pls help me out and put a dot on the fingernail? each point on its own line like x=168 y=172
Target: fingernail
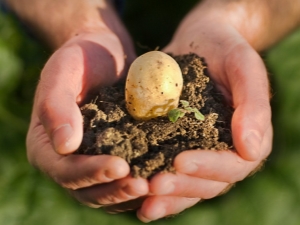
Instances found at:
x=158 y=214
x=189 y=168
x=60 y=138
x=143 y=219
x=253 y=142
x=161 y=212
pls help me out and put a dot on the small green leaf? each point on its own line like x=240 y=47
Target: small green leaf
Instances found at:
x=175 y=114
x=184 y=103
x=198 y=115
x=189 y=109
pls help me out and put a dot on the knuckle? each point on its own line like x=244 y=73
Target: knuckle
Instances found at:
x=263 y=108
x=80 y=198
x=99 y=176
x=44 y=107
x=123 y=194
x=64 y=184
x=108 y=199
x=72 y=185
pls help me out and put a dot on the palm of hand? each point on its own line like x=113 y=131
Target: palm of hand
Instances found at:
x=240 y=74
x=73 y=71
x=83 y=64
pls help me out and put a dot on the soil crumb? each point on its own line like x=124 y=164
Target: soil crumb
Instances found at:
x=150 y=146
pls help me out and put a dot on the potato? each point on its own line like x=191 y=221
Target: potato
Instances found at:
x=153 y=86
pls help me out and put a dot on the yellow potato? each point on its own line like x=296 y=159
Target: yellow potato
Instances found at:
x=153 y=85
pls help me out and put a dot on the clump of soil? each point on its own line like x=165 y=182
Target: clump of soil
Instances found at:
x=151 y=146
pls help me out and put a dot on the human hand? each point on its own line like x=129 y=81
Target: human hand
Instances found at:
x=74 y=71
x=240 y=74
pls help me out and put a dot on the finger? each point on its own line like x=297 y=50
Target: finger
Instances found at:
x=249 y=85
x=125 y=206
x=225 y=166
x=56 y=99
x=185 y=186
x=79 y=171
x=72 y=171
x=157 y=207
x=112 y=193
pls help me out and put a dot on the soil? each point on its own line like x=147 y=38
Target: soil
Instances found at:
x=151 y=146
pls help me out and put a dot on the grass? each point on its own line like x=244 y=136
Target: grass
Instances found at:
x=271 y=197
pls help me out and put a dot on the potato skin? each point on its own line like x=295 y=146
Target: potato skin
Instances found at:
x=153 y=85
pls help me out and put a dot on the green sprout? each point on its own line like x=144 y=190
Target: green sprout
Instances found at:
x=175 y=114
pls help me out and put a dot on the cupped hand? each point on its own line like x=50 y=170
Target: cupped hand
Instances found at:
x=73 y=72
x=240 y=74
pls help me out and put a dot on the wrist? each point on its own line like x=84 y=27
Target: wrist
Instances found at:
x=57 y=21
x=259 y=22
x=83 y=19
x=262 y=23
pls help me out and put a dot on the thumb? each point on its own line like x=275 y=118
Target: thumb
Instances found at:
x=61 y=118
x=250 y=89
x=55 y=103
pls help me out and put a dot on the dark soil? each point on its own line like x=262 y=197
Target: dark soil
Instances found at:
x=151 y=146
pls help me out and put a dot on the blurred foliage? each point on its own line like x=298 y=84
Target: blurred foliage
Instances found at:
x=271 y=197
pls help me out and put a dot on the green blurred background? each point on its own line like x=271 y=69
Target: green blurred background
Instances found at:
x=27 y=197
